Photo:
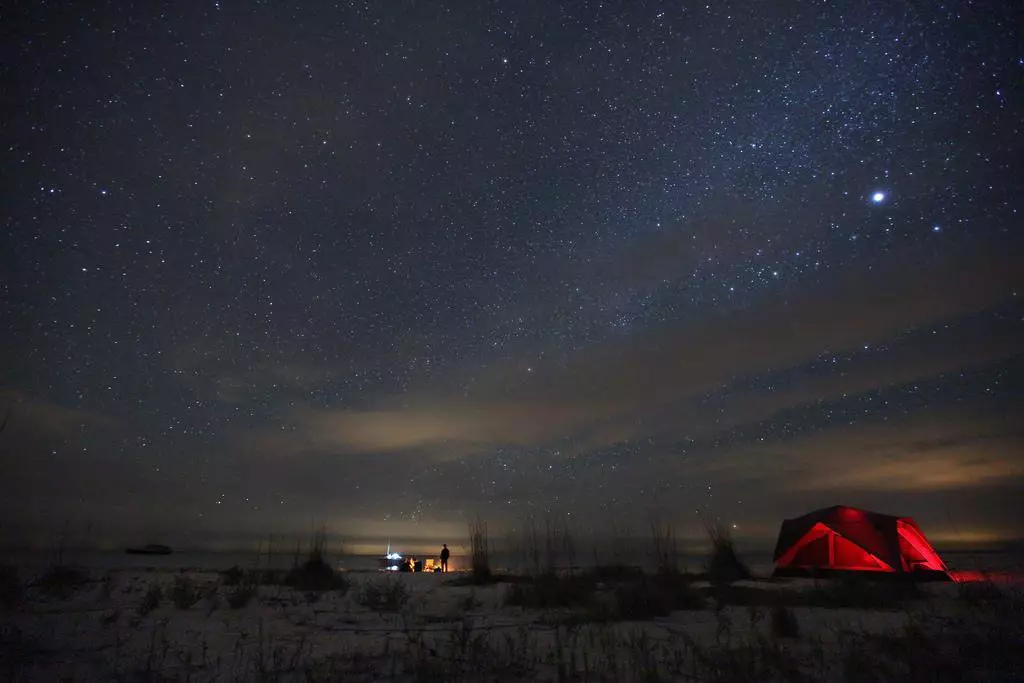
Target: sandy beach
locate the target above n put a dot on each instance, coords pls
(602, 624)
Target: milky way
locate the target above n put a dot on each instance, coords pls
(393, 269)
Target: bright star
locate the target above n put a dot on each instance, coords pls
(878, 197)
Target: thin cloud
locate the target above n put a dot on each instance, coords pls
(600, 395)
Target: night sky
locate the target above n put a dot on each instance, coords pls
(387, 266)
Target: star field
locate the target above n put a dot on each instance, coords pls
(393, 267)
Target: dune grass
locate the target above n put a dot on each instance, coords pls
(568, 626)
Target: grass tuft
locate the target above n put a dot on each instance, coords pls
(664, 547)
(232, 576)
(184, 592)
(62, 581)
(151, 599)
(657, 596)
(242, 594)
(316, 573)
(724, 565)
(551, 591)
(387, 595)
(480, 552)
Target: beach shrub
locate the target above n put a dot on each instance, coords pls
(979, 648)
(268, 577)
(242, 594)
(151, 599)
(316, 573)
(388, 595)
(640, 600)
(657, 596)
(724, 565)
(11, 591)
(232, 576)
(184, 592)
(551, 590)
(62, 581)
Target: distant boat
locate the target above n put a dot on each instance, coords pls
(150, 549)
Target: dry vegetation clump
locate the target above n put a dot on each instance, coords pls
(316, 573)
(724, 565)
(656, 596)
(386, 595)
(664, 547)
(987, 645)
(62, 581)
(480, 552)
(184, 592)
(233, 576)
(150, 599)
(552, 591)
(242, 594)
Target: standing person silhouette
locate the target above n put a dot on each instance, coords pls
(445, 554)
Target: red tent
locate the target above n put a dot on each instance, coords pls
(842, 538)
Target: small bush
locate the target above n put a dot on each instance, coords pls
(269, 577)
(724, 565)
(657, 596)
(11, 591)
(232, 576)
(784, 623)
(316, 575)
(550, 591)
(184, 592)
(389, 595)
(62, 581)
(241, 594)
(151, 599)
(640, 600)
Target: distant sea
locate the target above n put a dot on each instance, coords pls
(998, 560)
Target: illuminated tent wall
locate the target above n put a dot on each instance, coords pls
(845, 539)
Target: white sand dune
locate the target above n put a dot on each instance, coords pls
(104, 630)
